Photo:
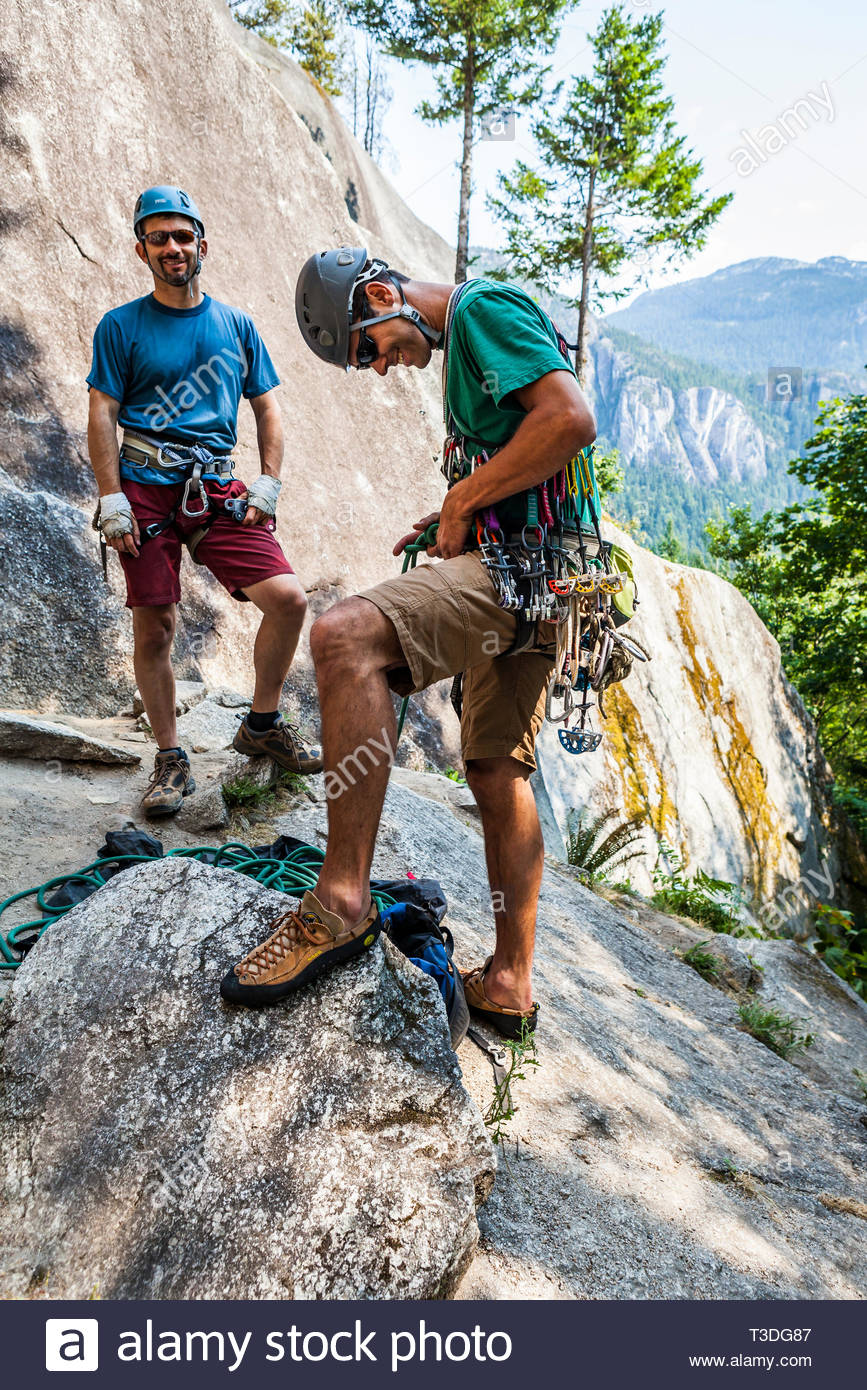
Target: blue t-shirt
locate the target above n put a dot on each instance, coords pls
(179, 374)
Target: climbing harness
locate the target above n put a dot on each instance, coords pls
(141, 451)
(557, 569)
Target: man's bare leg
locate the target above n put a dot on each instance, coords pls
(353, 645)
(153, 633)
(283, 604)
(515, 857)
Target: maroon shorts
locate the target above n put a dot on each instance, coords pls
(236, 555)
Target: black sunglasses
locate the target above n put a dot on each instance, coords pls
(182, 235)
(366, 351)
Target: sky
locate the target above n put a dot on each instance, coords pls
(733, 71)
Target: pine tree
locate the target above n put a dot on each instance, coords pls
(617, 182)
(483, 54)
(315, 43)
(310, 32)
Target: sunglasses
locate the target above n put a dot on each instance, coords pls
(184, 236)
(366, 351)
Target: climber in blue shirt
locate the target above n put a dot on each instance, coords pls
(170, 369)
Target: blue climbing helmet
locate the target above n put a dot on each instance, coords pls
(163, 199)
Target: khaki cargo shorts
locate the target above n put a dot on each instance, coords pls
(448, 621)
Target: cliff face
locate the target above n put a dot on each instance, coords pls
(700, 433)
(92, 112)
(710, 745)
(708, 741)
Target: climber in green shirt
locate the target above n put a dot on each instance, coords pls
(513, 403)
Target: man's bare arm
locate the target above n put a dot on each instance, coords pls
(102, 446)
(557, 425)
(269, 432)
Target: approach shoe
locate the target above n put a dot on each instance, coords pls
(171, 780)
(282, 743)
(301, 946)
(509, 1023)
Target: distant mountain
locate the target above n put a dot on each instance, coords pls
(760, 315)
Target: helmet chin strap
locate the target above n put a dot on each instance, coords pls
(408, 312)
(197, 269)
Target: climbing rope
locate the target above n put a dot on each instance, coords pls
(292, 875)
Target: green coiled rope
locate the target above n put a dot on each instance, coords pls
(292, 875)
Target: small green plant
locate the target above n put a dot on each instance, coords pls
(702, 961)
(455, 776)
(842, 945)
(781, 1033)
(521, 1053)
(861, 1078)
(244, 793)
(711, 902)
(593, 847)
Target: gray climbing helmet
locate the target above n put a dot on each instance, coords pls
(323, 300)
(163, 199)
(323, 304)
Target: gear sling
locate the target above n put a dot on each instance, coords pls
(557, 569)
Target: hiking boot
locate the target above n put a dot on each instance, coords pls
(282, 743)
(509, 1023)
(302, 944)
(171, 780)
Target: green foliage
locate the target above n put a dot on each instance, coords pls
(520, 1053)
(617, 181)
(781, 1033)
(593, 847)
(315, 44)
(804, 569)
(711, 902)
(702, 961)
(609, 473)
(455, 776)
(244, 793)
(861, 1078)
(842, 946)
(309, 31)
(855, 807)
(483, 57)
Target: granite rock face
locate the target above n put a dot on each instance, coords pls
(712, 747)
(38, 738)
(158, 1143)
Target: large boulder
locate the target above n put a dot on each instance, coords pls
(157, 1143)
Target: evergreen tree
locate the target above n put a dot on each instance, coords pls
(616, 181)
(804, 570)
(310, 32)
(483, 53)
(315, 44)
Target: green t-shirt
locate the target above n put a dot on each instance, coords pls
(500, 341)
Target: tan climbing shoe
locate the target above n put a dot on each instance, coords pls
(282, 743)
(509, 1023)
(302, 944)
(171, 780)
